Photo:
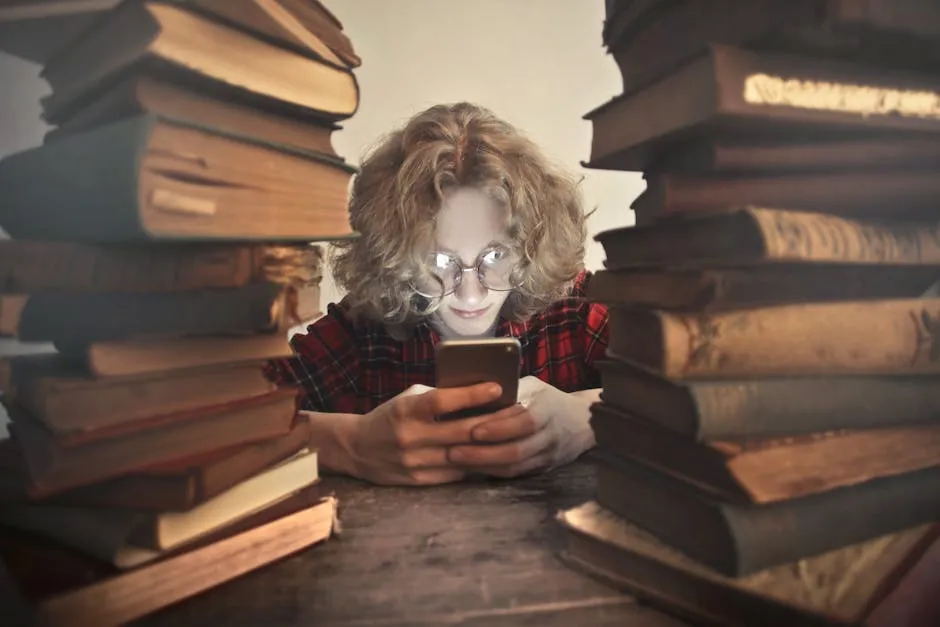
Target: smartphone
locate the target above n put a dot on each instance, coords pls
(467, 362)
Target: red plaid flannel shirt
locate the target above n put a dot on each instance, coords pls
(352, 366)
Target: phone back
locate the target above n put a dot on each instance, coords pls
(468, 362)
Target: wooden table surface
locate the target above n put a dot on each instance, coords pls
(479, 553)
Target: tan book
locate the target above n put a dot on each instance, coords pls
(893, 337)
(762, 236)
(187, 41)
(841, 587)
(30, 266)
(769, 470)
(52, 586)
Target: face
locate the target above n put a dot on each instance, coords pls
(471, 224)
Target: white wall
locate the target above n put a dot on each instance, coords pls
(537, 63)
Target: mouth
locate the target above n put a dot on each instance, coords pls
(469, 315)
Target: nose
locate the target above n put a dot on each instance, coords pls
(471, 292)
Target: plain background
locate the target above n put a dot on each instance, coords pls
(539, 64)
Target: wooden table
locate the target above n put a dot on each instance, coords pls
(481, 553)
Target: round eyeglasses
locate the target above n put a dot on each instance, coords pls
(495, 268)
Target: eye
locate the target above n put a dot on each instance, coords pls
(494, 255)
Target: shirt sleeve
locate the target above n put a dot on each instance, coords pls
(325, 365)
(595, 326)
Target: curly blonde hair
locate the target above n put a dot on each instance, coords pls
(399, 191)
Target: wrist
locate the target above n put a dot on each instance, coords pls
(333, 436)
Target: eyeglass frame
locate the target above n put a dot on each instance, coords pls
(462, 268)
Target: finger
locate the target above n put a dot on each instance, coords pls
(426, 457)
(538, 462)
(440, 401)
(434, 476)
(500, 454)
(504, 426)
(417, 434)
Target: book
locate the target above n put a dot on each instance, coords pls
(116, 599)
(100, 317)
(130, 538)
(649, 38)
(896, 195)
(30, 266)
(739, 539)
(707, 290)
(34, 30)
(66, 397)
(765, 407)
(730, 90)
(59, 462)
(175, 486)
(801, 339)
(723, 155)
(750, 469)
(749, 236)
(159, 355)
(840, 587)
(203, 104)
(167, 34)
(153, 179)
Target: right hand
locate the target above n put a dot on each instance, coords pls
(400, 443)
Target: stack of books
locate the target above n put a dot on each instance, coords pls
(769, 426)
(162, 242)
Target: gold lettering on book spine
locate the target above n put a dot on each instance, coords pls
(797, 236)
(863, 100)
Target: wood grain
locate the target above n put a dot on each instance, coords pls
(479, 553)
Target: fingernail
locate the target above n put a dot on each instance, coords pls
(480, 434)
(455, 455)
(494, 389)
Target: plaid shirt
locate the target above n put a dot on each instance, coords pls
(352, 366)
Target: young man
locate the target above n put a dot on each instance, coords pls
(466, 230)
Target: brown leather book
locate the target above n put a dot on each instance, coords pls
(99, 317)
(750, 236)
(766, 407)
(649, 38)
(50, 585)
(66, 398)
(752, 469)
(204, 47)
(801, 339)
(895, 195)
(175, 486)
(150, 91)
(842, 587)
(730, 90)
(168, 180)
(56, 464)
(710, 290)
(727, 156)
(739, 539)
(161, 355)
(29, 267)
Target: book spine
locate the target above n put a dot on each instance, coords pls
(874, 337)
(754, 408)
(801, 236)
(80, 199)
(30, 267)
(60, 317)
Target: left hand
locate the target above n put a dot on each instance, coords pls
(551, 429)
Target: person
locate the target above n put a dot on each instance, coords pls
(465, 230)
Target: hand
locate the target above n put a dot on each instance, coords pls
(552, 429)
(400, 443)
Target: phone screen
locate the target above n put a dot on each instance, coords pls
(468, 362)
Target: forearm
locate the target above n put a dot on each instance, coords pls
(332, 435)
